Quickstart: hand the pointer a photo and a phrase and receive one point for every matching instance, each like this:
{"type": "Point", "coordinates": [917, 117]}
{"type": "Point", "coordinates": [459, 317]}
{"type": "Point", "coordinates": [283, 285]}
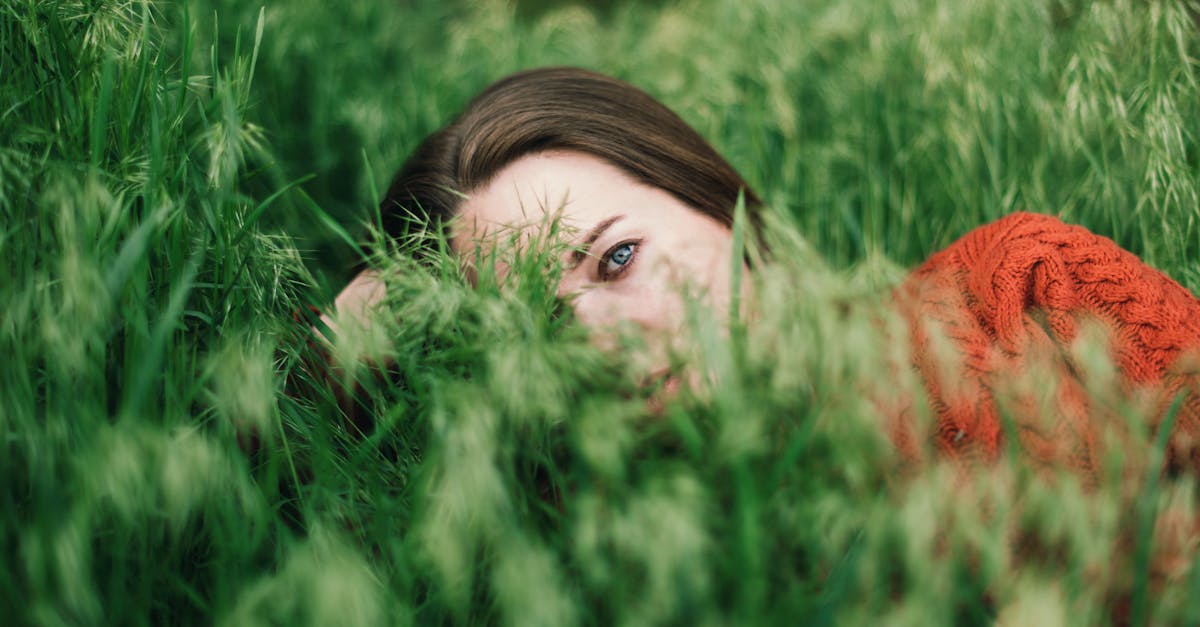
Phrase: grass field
{"type": "Point", "coordinates": [178, 178]}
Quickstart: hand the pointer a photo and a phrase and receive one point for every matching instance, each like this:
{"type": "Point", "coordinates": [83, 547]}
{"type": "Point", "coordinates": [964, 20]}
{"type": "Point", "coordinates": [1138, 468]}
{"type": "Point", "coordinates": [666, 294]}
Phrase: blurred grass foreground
{"type": "Point", "coordinates": [178, 178]}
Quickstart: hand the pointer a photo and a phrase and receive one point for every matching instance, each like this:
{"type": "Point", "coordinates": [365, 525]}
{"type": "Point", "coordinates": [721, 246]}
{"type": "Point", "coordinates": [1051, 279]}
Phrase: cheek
{"type": "Point", "coordinates": [648, 305]}
{"type": "Point", "coordinates": [701, 268]}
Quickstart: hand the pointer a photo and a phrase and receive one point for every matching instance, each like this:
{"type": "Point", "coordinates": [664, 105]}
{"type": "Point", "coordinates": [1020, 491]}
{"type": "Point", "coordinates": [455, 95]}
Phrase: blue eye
{"type": "Point", "coordinates": [616, 260]}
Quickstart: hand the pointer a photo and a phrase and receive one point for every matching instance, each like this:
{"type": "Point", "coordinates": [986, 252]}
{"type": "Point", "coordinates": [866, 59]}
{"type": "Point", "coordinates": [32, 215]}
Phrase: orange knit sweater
{"type": "Point", "coordinates": [994, 320]}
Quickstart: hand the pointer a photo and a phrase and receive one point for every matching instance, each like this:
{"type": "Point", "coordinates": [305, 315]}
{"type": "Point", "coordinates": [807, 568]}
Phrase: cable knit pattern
{"type": "Point", "coordinates": [993, 317]}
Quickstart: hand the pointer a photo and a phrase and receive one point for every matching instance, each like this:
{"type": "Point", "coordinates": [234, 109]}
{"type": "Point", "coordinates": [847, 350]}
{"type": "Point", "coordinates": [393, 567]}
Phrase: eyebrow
{"type": "Point", "coordinates": [585, 249]}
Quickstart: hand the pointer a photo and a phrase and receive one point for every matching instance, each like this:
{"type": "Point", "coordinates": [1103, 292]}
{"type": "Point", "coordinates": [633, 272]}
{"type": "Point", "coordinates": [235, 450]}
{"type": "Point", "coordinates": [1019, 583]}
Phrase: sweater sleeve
{"type": "Point", "coordinates": [994, 321]}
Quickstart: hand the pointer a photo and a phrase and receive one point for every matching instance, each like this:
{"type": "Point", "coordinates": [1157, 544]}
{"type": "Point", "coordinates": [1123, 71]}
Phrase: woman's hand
{"type": "Point", "coordinates": [335, 355]}
{"type": "Point", "coordinates": [354, 302]}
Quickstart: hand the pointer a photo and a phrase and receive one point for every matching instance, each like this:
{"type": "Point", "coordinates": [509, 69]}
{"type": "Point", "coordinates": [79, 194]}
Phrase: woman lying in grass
{"type": "Point", "coordinates": [646, 208]}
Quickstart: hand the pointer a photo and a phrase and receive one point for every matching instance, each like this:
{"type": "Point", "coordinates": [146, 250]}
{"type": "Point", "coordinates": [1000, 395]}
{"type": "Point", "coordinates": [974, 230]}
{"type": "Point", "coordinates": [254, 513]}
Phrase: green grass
{"type": "Point", "coordinates": [177, 179]}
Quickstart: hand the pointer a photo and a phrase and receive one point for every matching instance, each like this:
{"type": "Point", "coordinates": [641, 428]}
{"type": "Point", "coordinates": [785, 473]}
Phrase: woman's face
{"type": "Point", "coordinates": [633, 250]}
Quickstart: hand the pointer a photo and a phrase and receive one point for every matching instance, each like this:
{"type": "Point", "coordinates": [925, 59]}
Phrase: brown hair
{"type": "Point", "coordinates": [561, 108]}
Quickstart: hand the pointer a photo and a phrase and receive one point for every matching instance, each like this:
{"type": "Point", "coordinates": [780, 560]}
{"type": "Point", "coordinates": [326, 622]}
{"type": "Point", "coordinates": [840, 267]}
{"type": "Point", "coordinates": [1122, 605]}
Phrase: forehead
{"type": "Point", "coordinates": [577, 189]}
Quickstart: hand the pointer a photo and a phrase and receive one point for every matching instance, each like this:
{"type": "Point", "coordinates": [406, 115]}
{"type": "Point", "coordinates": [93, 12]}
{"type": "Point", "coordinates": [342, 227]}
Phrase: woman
{"type": "Point", "coordinates": [646, 205]}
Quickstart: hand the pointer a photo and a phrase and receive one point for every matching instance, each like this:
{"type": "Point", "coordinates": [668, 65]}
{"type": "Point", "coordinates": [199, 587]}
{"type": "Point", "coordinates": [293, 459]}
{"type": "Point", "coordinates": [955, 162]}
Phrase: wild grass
{"type": "Point", "coordinates": [177, 180]}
